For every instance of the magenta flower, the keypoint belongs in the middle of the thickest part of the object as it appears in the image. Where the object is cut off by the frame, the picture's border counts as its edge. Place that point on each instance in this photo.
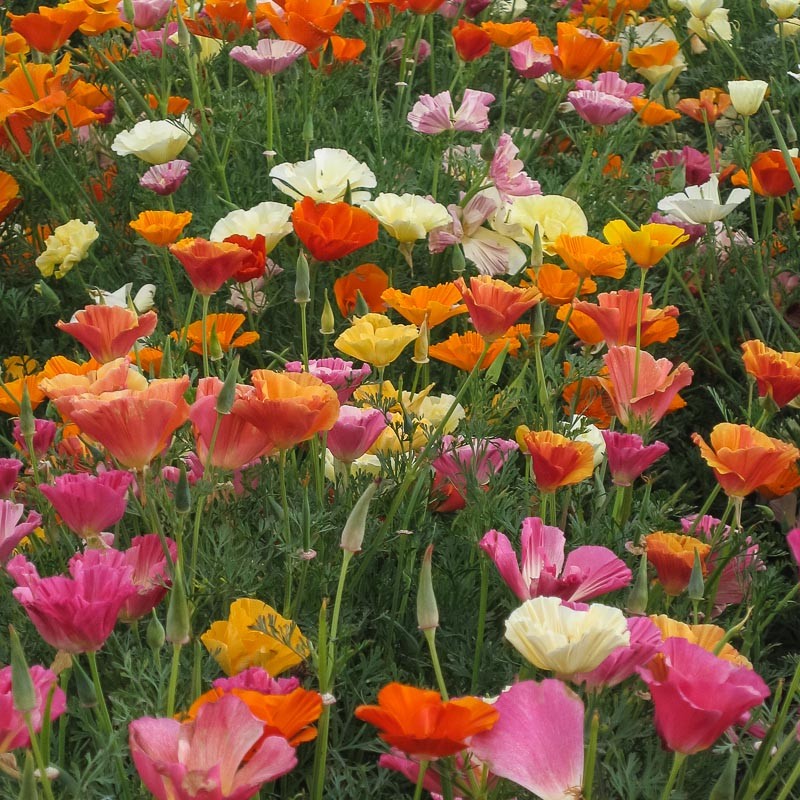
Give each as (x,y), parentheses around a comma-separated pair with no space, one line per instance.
(76,613)
(528,62)
(13,730)
(9,475)
(538,741)
(145,12)
(257,679)
(43,436)
(153,42)
(459,459)
(696,165)
(150,574)
(12,531)
(588,571)
(269,56)
(436,114)
(611,83)
(628,456)
(507,174)
(355,431)
(339,374)
(697,695)
(89,504)
(793,542)
(623,662)
(165,179)
(205,759)
(599,108)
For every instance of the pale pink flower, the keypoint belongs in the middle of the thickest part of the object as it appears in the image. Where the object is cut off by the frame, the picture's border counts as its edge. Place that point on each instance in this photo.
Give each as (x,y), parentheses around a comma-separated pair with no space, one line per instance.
(394,51)
(145,12)
(165,179)
(611,83)
(269,56)
(436,114)
(339,374)
(628,456)
(153,42)
(12,529)
(599,108)
(528,62)
(507,172)
(355,431)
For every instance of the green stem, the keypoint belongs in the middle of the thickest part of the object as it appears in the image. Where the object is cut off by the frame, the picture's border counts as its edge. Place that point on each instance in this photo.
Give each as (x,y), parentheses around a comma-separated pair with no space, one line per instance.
(591,757)
(479,635)
(677,763)
(423,768)
(173,679)
(206,371)
(37,757)
(104,716)
(430,637)
(639,311)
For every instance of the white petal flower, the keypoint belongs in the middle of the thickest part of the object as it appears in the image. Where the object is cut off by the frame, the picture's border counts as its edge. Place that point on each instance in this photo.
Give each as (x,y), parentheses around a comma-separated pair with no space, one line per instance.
(715,27)
(407,217)
(701,205)
(271,220)
(553,214)
(143,301)
(155,142)
(747,96)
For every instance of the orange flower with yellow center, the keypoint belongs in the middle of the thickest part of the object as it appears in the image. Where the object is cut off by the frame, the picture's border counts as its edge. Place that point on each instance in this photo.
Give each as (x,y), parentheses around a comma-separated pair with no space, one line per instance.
(494,305)
(556,460)
(654,55)
(647,246)
(777,373)
(673,556)
(709,107)
(743,458)
(508,34)
(436,303)
(161,227)
(706,636)
(653,114)
(223,326)
(560,286)
(463,350)
(589,257)
(580,52)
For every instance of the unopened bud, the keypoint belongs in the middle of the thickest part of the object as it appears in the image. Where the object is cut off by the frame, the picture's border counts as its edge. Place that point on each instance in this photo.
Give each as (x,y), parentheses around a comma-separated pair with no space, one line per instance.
(697,585)
(791,133)
(302,281)
(41,288)
(214,346)
(725,787)
(178,623)
(184,37)
(183,494)
(27,422)
(227,394)
(421,345)
(459,263)
(537,251)
(87,696)
(27,783)
(130,13)
(427,610)
(155,635)
(354,528)
(637,599)
(362,307)
(308,128)
(327,321)
(22,690)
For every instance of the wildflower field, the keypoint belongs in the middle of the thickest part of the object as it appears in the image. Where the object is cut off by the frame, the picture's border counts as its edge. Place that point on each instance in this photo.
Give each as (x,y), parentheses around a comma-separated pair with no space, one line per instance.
(398,398)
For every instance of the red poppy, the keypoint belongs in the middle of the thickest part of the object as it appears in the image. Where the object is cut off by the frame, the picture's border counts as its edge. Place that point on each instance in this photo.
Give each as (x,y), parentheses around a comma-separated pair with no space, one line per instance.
(333,230)
(470,40)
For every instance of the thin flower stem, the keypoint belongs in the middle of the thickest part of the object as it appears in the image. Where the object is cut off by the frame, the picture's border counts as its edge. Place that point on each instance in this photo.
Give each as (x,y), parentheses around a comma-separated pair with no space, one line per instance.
(480,633)
(677,763)
(793,778)
(430,637)
(173,678)
(591,757)
(206,371)
(104,716)
(423,768)
(41,764)
(639,311)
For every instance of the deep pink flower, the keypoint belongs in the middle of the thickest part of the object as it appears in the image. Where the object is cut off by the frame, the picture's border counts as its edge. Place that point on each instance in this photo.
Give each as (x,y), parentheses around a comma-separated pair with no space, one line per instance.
(204,759)
(165,179)
(89,504)
(145,12)
(697,165)
(599,108)
(623,662)
(628,456)
(528,62)
(43,436)
(76,613)
(355,431)
(338,374)
(436,114)
(697,695)
(153,42)
(13,730)
(793,542)
(257,680)
(9,475)
(12,531)
(269,56)
(150,574)
(587,572)
(611,83)
(538,741)
(507,174)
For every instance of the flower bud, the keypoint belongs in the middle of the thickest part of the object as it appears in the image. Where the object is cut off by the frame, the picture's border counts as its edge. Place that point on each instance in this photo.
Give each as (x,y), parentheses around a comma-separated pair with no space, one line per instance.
(697,586)
(41,288)
(308,128)
(22,689)
(128,9)
(27,422)
(637,599)
(459,263)
(353,533)
(537,251)
(725,787)
(214,347)
(155,635)
(179,627)
(362,307)
(184,37)
(327,321)
(227,394)
(27,783)
(87,696)
(427,610)
(302,291)
(421,344)
(183,495)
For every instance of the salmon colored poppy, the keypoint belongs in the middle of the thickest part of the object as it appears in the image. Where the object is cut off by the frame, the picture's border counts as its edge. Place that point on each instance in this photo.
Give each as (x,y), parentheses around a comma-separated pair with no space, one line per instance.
(706,636)
(587,397)
(768,176)
(307,22)
(557,461)
(48,29)
(785,482)
(579,52)
(161,227)
(11,394)
(777,373)
(470,40)
(653,114)
(288,407)
(709,107)
(9,194)
(588,257)
(672,555)
(223,326)
(647,246)
(209,264)
(437,303)
(175,105)
(333,230)
(494,305)
(654,55)
(419,723)
(743,458)
(613,167)
(463,350)
(507,34)
(559,286)
(370,280)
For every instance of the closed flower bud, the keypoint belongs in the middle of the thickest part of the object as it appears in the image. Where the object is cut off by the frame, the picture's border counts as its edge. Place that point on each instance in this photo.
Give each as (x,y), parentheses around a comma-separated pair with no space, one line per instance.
(362,306)
(184,37)
(421,345)
(427,610)
(302,291)
(747,96)
(156,635)
(87,696)
(22,689)
(637,599)
(308,128)
(459,262)
(183,495)
(227,394)
(354,528)
(327,321)
(214,347)
(696,588)
(178,623)
(41,288)
(27,422)
(27,784)
(537,251)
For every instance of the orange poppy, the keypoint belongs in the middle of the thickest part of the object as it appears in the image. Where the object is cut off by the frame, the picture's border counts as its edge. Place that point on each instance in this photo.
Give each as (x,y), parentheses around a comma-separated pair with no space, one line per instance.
(254,266)
(672,555)
(14,46)
(786,481)
(11,394)
(437,303)
(613,167)
(332,230)
(470,40)
(223,326)
(508,34)
(654,55)
(557,461)
(103,17)
(743,458)
(709,107)
(463,350)
(580,52)
(420,723)
(60,365)
(230,17)
(420,7)
(706,636)
(48,29)
(777,374)
(587,397)
(161,227)
(769,176)
(381,11)
(175,105)
(589,257)
(494,305)
(9,194)
(559,286)
(653,114)
(307,22)
(370,280)
(343,51)
(148,359)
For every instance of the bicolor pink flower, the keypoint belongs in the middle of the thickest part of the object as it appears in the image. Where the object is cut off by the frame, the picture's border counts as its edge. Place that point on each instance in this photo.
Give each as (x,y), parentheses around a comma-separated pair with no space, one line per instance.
(153,42)
(150,574)
(538,741)
(610,83)
(12,529)
(628,456)
(146,13)
(269,56)
(599,108)
(623,662)
(165,179)
(465,763)
(587,572)
(698,696)
(75,613)
(436,114)
(13,729)
(259,680)
(697,165)
(43,436)
(205,759)
(338,374)
(89,504)
(507,172)
(355,431)
(9,475)
(529,62)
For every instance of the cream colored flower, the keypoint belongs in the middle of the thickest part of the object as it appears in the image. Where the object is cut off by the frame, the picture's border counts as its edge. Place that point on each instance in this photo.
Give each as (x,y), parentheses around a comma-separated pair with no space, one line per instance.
(364,465)
(554,637)
(209,47)
(702,9)
(271,220)
(715,27)
(65,247)
(155,141)
(142,301)
(581,430)
(783,9)
(432,410)
(787,28)
(407,217)
(553,214)
(374,338)
(747,96)
(325,177)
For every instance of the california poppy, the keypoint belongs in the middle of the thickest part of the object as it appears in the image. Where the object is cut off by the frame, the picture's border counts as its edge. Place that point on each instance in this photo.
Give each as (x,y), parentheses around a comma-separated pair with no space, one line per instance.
(375,339)
(342,50)
(9,194)
(175,105)
(333,230)
(556,460)
(494,305)
(463,350)
(559,286)
(507,34)
(579,52)
(589,257)
(587,397)
(653,114)
(370,280)
(223,326)
(705,635)
(649,244)
(437,304)
(254,266)
(420,723)
(48,29)
(777,374)
(209,264)
(709,107)
(161,227)
(673,556)
(769,175)
(654,55)
(470,40)
(11,394)
(307,22)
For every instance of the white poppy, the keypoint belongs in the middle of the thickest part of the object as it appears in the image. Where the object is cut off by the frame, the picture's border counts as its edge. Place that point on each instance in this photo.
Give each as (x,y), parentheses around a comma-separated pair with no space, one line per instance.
(700,205)
(271,220)
(155,141)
